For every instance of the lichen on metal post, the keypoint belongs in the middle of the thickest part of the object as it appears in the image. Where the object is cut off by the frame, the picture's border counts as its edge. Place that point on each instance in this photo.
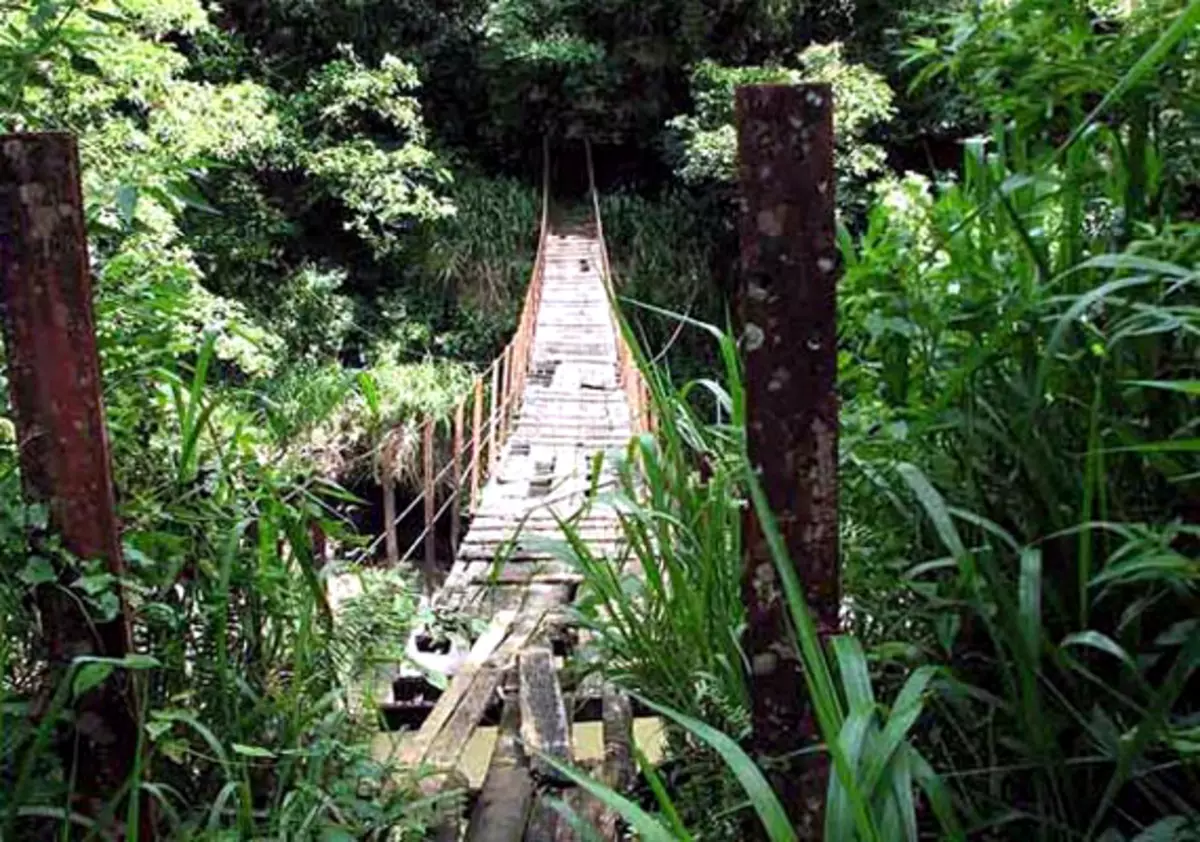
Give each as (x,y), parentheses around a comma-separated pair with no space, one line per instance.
(54,380)
(787,319)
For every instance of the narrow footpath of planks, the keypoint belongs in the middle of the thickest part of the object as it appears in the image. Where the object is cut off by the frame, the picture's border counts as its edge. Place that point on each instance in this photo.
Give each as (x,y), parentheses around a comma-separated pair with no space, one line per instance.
(506,573)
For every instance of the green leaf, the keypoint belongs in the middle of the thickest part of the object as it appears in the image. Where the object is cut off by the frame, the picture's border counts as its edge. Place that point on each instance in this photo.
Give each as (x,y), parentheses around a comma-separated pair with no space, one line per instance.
(766,802)
(935,507)
(90,675)
(646,826)
(104,17)
(186,193)
(127,200)
(856,680)
(1100,642)
(252,751)
(1030,599)
(1186,387)
(139,661)
(37,571)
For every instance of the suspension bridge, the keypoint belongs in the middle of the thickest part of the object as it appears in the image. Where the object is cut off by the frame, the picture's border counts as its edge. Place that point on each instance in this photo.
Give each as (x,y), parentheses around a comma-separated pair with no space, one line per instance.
(519,454)
(544,422)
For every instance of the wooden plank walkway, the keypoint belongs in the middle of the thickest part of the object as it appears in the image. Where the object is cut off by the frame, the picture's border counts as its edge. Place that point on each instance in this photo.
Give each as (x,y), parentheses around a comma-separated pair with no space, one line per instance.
(572,407)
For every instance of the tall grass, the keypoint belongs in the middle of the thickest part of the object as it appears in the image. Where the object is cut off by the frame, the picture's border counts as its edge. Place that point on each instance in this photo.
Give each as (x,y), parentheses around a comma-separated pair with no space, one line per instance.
(1019,469)
(239,668)
(676,637)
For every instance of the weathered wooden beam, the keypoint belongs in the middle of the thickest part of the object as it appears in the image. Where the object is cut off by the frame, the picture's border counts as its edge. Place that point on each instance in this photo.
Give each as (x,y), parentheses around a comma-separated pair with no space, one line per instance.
(387,481)
(544,724)
(54,382)
(494,420)
(502,810)
(429,572)
(456,481)
(505,393)
(476,453)
(787,315)
(417,749)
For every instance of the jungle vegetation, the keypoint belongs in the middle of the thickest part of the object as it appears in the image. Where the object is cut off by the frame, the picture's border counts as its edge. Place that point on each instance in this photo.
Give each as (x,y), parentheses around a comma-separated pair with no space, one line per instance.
(311,222)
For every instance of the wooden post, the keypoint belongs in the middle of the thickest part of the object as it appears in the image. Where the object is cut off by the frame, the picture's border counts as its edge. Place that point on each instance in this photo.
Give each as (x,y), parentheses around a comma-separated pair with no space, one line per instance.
(476,424)
(456,481)
(388,481)
(430,505)
(494,418)
(786,309)
(505,376)
(54,381)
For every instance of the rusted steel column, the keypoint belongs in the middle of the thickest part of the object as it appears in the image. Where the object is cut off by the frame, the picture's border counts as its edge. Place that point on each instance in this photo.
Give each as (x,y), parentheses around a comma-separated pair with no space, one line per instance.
(787,314)
(427,444)
(54,380)
(476,425)
(456,480)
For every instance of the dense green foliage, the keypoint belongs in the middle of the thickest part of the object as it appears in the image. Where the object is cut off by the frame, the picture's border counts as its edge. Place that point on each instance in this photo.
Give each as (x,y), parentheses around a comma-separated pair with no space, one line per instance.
(1019,381)
(312,220)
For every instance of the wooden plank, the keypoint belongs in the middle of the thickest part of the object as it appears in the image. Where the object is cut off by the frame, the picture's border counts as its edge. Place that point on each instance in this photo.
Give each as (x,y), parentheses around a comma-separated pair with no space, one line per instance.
(487,643)
(545,728)
(618,769)
(502,810)
(449,734)
(446,749)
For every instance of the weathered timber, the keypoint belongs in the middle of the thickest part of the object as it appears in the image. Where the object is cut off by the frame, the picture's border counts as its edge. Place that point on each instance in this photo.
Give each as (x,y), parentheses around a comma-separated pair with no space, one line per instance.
(387,481)
(456,480)
(545,728)
(787,313)
(502,810)
(54,382)
(429,571)
(487,643)
(556,402)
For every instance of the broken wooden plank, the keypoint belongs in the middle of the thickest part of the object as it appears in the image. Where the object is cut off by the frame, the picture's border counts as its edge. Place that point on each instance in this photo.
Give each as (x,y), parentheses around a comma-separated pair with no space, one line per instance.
(502,810)
(487,643)
(544,724)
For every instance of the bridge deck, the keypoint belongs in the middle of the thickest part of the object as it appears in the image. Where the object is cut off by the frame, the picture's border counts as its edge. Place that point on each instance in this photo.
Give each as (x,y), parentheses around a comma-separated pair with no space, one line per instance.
(506,572)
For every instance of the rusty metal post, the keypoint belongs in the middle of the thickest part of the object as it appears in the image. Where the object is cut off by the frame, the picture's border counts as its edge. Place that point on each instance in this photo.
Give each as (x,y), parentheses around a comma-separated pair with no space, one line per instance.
(787,314)
(54,380)
(456,480)
(427,444)
(476,424)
